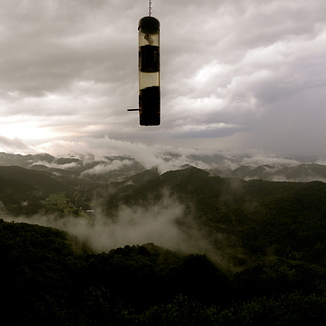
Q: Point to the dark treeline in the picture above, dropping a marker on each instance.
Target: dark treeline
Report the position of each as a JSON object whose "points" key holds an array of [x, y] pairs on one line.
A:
{"points": [[48, 278]]}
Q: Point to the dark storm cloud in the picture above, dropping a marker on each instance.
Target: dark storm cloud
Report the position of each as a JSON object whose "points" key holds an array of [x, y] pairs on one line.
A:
{"points": [[49, 45]]}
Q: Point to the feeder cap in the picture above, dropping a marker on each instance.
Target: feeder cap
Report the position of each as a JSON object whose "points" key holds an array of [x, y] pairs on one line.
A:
{"points": [[149, 23]]}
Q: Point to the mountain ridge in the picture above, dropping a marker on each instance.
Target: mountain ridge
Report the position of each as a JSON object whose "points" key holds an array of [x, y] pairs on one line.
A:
{"points": [[253, 244], [115, 168]]}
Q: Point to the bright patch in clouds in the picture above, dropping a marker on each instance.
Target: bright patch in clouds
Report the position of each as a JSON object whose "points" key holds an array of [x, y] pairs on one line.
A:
{"points": [[27, 131]]}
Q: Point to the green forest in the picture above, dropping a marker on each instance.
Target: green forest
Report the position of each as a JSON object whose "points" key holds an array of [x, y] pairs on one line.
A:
{"points": [[49, 278], [275, 234], [262, 219]]}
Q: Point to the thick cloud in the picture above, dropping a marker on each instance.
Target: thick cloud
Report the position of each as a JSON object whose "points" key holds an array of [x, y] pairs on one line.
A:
{"points": [[234, 74]]}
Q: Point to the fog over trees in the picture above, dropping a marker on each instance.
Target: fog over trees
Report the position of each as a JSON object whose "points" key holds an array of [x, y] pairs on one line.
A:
{"points": [[184, 247]]}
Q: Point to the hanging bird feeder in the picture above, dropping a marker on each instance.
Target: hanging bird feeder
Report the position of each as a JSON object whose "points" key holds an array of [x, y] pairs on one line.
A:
{"points": [[149, 70]]}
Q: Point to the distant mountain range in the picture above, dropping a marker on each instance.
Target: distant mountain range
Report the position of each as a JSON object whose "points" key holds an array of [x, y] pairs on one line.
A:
{"points": [[116, 168], [213, 210], [298, 173]]}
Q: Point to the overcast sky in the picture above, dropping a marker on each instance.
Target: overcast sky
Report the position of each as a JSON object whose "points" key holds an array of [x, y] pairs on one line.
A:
{"points": [[235, 75]]}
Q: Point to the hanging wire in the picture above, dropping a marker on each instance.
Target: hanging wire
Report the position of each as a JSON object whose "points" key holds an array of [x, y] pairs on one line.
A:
{"points": [[150, 8]]}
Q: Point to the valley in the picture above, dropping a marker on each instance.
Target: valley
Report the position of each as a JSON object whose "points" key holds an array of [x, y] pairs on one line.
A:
{"points": [[114, 241]]}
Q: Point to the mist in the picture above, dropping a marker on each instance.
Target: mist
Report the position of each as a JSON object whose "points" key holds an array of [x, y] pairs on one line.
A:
{"points": [[164, 223]]}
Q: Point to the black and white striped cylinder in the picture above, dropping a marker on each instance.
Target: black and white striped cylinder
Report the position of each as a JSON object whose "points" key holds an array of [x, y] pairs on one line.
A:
{"points": [[149, 71]]}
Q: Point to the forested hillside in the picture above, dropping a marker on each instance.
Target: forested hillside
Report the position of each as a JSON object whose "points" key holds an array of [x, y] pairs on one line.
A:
{"points": [[50, 279], [265, 264], [263, 218]]}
